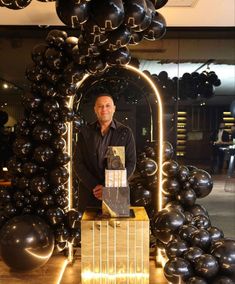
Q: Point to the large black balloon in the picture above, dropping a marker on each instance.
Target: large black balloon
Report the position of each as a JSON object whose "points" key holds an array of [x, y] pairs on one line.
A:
{"points": [[59, 176], [176, 248], [170, 168], [109, 15], [201, 182], [159, 3], [192, 253], [157, 28], [201, 238], [196, 280], [186, 197], [73, 219], [170, 186], [120, 56], [26, 242], [135, 11], [177, 270], [166, 222], [224, 251], [186, 231], [215, 233], [71, 13], [206, 266]]}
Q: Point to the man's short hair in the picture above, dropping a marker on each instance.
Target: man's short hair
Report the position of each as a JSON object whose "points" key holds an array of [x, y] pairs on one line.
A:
{"points": [[104, 94]]}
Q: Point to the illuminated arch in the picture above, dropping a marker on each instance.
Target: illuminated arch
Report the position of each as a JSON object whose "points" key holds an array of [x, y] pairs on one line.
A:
{"points": [[159, 118]]}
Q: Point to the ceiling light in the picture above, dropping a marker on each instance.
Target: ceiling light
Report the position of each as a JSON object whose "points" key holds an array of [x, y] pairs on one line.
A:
{"points": [[5, 86]]}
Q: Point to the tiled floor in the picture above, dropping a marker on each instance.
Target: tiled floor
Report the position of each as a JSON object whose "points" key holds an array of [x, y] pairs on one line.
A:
{"points": [[220, 205]]}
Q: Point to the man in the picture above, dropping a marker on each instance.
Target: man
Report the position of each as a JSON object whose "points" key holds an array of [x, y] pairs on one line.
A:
{"points": [[93, 142], [218, 139]]}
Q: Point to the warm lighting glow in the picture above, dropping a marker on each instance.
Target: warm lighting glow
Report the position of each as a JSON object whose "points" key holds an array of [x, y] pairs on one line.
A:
{"points": [[5, 169], [88, 275], [65, 263], [181, 112], [5, 86], [47, 256], [229, 118], [226, 113]]}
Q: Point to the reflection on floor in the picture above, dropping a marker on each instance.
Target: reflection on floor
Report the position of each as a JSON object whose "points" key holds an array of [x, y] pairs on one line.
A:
{"points": [[220, 205]]}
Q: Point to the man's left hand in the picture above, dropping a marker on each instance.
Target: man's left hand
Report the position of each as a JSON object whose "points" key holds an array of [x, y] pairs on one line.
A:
{"points": [[97, 191]]}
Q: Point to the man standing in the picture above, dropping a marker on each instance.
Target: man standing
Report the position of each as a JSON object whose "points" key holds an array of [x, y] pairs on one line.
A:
{"points": [[218, 139], [93, 142]]}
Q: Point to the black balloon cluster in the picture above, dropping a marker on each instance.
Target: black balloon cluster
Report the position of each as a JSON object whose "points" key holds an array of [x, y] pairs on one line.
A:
{"points": [[197, 252], [143, 185], [39, 164], [189, 86], [105, 29]]}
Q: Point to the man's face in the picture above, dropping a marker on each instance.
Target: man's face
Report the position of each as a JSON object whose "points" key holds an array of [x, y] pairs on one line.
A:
{"points": [[104, 109]]}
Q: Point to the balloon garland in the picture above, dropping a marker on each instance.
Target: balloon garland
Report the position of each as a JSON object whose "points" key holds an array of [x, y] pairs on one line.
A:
{"points": [[195, 250]]}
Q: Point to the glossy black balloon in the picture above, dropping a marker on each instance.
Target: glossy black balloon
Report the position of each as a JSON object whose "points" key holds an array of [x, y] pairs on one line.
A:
{"points": [[157, 28], [192, 253], [201, 238], [140, 196], [109, 15], [55, 215], [201, 222], [14, 166], [61, 233], [118, 38], [168, 150], [30, 169], [170, 186], [224, 252], [147, 167], [43, 154], [62, 158], [58, 143], [223, 280], [37, 53], [183, 174], [120, 56], [215, 233], [177, 270], [73, 219], [39, 185], [170, 168], [26, 242], [134, 12], [176, 248], [166, 222], [158, 4], [202, 183], [206, 266], [186, 197], [47, 200], [22, 147], [198, 209], [196, 280], [59, 176], [186, 232], [42, 133]]}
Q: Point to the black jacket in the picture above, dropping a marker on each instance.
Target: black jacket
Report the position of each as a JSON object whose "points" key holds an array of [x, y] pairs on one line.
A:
{"points": [[87, 164]]}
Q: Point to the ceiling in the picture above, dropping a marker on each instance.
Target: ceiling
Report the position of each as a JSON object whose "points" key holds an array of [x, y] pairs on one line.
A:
{"points": [[161, 55]]}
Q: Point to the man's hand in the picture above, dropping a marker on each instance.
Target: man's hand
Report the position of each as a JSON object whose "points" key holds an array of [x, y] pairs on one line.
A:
{"points": [[97, 191]]}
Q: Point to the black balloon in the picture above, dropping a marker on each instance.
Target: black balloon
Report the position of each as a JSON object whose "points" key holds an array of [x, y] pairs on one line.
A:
{"points": [[119, 57], [192, 253], [43, 154], [186, 232], [135, 12], [168, 150], [175, 248], [159, 3], [215, 233], [223, 280], [206, 266], [170, 168], [109, 15], [59, 176], [26, 242], [196, 280], [201, 238], [157, 28], [55, 215], [177, 270], [186, 197], [73, 218], [170, 186], [201, 182], [224, 252], [39, 185]]}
